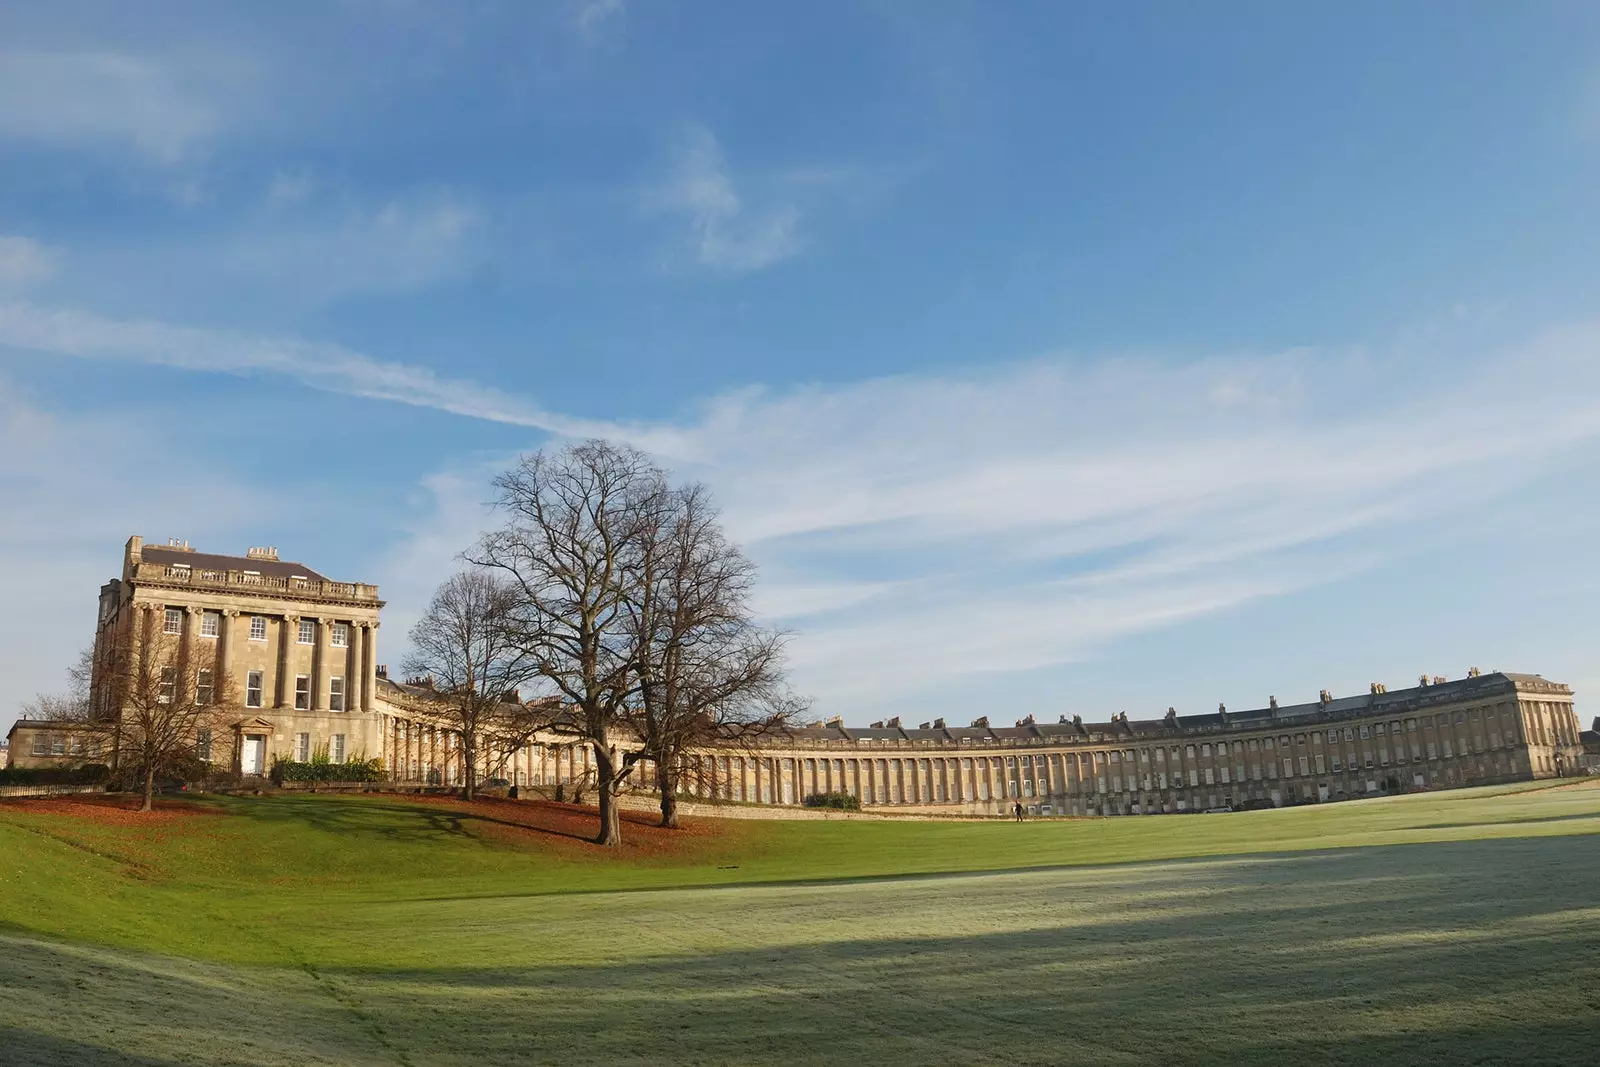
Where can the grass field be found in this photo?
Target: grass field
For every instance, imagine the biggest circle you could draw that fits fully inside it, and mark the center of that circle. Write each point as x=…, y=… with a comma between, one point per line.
x=1451, y=928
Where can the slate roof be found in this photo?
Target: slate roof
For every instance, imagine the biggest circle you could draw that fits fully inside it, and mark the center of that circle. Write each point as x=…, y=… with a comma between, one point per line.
x=208, y=561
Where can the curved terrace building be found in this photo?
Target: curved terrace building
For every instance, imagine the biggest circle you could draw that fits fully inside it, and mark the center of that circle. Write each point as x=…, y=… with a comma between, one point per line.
x=296, y=654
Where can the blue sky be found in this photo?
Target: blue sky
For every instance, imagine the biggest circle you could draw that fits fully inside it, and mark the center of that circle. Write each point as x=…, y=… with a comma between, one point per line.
x=1049, y=358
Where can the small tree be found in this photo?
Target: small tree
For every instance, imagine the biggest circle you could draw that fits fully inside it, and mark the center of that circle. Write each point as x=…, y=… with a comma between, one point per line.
x=466, y=643
x=162, y=696
x=708, y=675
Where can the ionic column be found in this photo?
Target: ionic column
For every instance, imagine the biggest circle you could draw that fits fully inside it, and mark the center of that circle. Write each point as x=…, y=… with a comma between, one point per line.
x=319, y=669
x=369, y=661
x=354, y=676
x=288, y=637
x=225, y=684
x=186, y=640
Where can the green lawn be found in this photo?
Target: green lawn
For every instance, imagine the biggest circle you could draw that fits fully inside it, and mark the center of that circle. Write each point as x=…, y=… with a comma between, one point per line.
x=1449, y=928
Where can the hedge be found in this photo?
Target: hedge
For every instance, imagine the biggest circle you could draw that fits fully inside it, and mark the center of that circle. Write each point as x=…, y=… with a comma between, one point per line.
x=287, y=770
x=840, y=801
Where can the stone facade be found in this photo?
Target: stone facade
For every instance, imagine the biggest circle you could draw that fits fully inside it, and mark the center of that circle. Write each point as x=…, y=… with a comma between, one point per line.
x=301, y=652
x=1480, y=730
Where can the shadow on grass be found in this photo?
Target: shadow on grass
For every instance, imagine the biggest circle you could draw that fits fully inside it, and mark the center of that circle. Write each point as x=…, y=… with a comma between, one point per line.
x=1440, y=953
x=408, y=821
x=23, y=1047
x=1450, y=953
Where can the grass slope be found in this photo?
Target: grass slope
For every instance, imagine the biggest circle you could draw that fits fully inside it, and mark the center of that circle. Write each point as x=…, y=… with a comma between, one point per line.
x=366, y=930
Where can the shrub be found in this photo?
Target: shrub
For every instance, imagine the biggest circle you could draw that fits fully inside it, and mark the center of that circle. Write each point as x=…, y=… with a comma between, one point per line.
x=356, y=770
x=839, y=801
x=87, y=774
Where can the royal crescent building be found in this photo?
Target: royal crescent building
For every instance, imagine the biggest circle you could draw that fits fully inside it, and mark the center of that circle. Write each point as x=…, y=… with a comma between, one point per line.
x=299, y=653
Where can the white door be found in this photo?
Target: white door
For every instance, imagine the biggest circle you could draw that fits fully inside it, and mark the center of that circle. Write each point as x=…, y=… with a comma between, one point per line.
x=253, y=756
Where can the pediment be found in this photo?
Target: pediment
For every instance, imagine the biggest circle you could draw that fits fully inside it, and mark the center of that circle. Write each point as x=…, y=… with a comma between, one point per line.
x=253, y=724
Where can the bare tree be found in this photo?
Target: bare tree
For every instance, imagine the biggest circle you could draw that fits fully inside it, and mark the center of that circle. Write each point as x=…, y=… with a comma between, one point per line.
x=467, y=644
x=570, y=548
x=708, y=675
x=162, y=698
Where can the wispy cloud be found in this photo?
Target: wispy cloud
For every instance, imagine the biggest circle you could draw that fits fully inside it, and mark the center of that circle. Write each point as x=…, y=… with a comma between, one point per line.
x=725, y=233
x=917, y=532
x=401, y=244
x=24, y=261
x=595, y=18
x=107, y=100
x=318, y=365
x=66, y=479
x=290, y=187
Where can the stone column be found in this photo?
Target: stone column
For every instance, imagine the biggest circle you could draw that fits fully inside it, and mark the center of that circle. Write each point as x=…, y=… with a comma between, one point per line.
x=354, y=676
x=226, y=685
x=288, y=637
x=186, y=639
x=319, y=668
x=369, y=664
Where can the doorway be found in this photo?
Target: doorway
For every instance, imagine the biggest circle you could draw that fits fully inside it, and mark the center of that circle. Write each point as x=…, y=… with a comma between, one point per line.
x=253, y=755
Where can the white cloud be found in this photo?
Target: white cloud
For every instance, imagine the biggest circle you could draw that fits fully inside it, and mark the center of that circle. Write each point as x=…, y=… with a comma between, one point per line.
x=106, y=99
x=318, y=365
x=66, y=480
x=403, y=244
x=290, y=187
x=725, y=233
x=24, y=261
x=919, y=531
x=594, y=18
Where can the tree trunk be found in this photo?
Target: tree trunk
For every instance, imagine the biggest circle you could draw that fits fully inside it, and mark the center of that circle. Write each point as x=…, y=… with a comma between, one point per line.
x=149, y=803
x=669, y=797
x=469, y=775
x=606, y=786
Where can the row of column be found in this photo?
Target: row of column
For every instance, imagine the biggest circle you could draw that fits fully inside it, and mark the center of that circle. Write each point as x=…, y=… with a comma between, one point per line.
x=422, y=752
x=360, y=654
x=361, y=664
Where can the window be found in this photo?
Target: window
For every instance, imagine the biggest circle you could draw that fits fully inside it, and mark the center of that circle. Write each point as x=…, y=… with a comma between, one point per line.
x=204, y=691
x=341, y=635
x=58, y=746
x=337, y=753
x=336, y=693
x=302, y=692
x=173, y=623
x=258, y=628
x=302, y=747
x=202, y=745
x=168, y=690
x=252, y=688
x=41, y=745
x=210, y=624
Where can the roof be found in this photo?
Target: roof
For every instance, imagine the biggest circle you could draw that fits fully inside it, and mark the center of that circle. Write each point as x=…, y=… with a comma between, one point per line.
x=48, y=724
x=209, y=561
